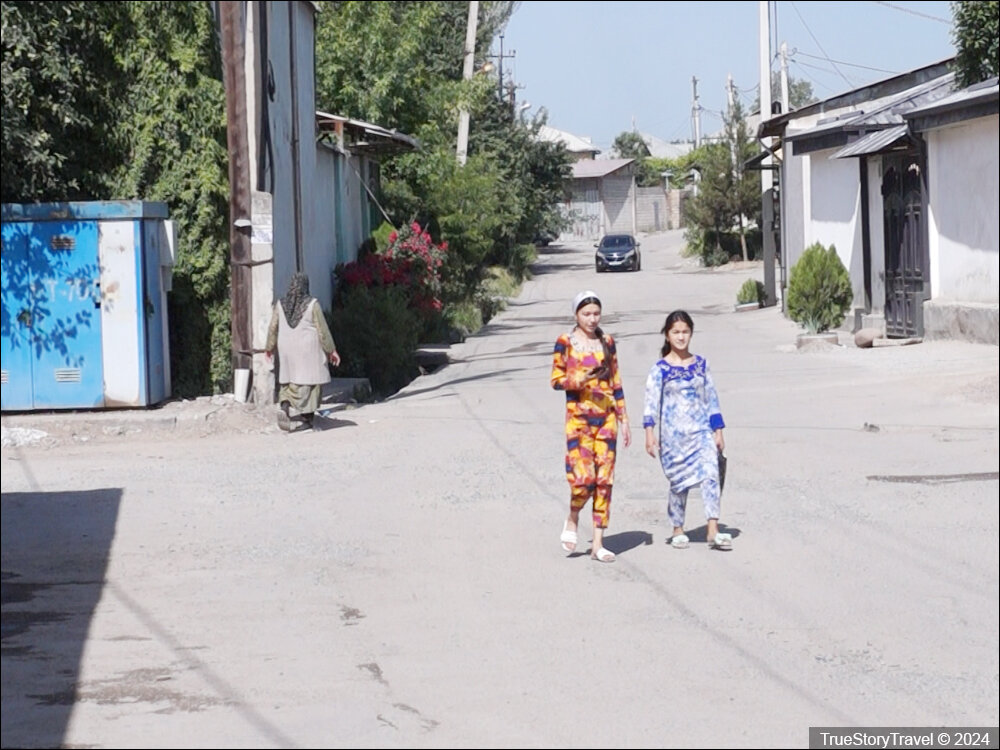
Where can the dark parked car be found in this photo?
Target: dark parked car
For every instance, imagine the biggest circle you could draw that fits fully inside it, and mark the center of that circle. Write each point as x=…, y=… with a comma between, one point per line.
x=617, y=252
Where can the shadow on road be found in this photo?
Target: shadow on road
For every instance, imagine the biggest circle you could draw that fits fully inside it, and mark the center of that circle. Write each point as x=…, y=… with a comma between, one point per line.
x=55, y=555
x=626, y=540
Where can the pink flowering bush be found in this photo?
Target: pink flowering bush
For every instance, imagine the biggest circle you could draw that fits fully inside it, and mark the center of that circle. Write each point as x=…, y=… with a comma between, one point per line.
x=411, y=260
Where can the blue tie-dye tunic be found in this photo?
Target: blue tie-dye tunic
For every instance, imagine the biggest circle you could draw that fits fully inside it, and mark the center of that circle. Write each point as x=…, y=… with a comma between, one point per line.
x=682, y=401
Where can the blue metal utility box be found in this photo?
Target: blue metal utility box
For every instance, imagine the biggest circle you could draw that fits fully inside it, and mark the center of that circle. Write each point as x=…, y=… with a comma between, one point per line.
x=85, y=304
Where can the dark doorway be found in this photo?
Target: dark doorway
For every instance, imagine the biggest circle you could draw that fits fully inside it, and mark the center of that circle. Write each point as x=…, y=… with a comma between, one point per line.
x=906, y=272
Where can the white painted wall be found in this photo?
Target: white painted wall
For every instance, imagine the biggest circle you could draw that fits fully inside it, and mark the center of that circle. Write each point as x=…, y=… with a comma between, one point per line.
x=876, y=234
x=962, y=181
x=795, y=192
x=121, y=314
x=834, y=212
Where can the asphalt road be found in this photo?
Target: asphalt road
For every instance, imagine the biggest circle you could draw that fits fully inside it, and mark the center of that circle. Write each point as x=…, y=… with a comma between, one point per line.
x=396, y=579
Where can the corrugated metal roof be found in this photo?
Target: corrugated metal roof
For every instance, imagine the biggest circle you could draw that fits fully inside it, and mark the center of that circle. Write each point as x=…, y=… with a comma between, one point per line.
x=597, y=167
x=983, y=91
x=368, y=128
x=573, y=143
x=873, y=143
x=661, y=149
x=886, y=112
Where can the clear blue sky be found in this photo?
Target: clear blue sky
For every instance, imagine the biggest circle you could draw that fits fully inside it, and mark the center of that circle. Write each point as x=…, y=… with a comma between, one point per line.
x=597, y=65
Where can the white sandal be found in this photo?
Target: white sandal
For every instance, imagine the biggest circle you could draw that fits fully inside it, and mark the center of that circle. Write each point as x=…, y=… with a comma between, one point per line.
x=721, y=541
x=680, y=541
x=603, y=555
x=568, y=538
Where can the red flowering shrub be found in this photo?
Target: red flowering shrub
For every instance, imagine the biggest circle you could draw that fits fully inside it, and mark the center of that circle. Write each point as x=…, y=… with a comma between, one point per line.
x=411, y=260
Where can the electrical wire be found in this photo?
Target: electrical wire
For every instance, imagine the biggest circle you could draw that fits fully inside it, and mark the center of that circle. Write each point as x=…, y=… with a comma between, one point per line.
x=827, y=57
x=917, y=13
x=841, y=62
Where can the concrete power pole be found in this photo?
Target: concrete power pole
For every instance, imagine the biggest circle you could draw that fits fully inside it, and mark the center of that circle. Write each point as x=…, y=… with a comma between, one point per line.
x=469, y=62
x=695, y=113
x=785, y=104
x=766, y=174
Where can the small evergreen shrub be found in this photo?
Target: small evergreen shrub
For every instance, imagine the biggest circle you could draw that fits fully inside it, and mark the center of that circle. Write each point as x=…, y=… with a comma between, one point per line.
x=751, y=291
x=819, y=289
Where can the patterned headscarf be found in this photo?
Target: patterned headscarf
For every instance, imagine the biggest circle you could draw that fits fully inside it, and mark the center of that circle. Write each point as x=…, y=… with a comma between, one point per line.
x=296, y=299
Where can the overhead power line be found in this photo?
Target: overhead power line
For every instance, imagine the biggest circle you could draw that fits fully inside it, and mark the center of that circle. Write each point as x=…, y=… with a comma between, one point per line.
x=929, y=17
x=841, y=62
x=825, y=56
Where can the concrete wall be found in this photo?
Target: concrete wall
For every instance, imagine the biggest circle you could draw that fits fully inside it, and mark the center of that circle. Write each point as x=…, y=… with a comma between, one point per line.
x=962, y=181
x=834, y=212
x=794, y=198
x=652, y=210
x=618, y=199
x=584, y=211
x=290, y=53
x=876, y=235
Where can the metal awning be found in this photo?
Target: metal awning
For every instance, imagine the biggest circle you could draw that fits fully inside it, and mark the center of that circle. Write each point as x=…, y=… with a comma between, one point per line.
x=756, y=163
x=874, y=143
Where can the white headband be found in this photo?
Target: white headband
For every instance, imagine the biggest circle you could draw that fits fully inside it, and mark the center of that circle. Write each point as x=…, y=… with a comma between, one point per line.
x=587, y=294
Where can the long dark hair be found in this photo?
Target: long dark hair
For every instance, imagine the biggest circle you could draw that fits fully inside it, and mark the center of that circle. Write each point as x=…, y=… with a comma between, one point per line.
x=676, y=315
x=605, y=370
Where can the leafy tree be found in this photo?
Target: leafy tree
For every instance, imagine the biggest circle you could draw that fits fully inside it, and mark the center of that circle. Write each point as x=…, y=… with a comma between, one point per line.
x=728, y=195
x=175, y=136
x=976, y=33
x=800, y=92
x=629, y=145
x=125, y=100
x=60, y=105
x=400, y=65
x=709, y=212
x=744, y=193
x=381, y=61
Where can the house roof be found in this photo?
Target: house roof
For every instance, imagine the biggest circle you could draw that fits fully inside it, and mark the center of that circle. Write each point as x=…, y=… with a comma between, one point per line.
x=874, y=143
x=573, y=143
x=365, y=137
x=598, y=167
x=661, y=149
x=979, y=100
x=882, y=114
x=866, y=95
x=886, y=112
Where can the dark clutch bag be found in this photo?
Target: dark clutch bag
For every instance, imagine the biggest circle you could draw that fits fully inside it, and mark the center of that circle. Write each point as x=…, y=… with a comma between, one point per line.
x=722, y=470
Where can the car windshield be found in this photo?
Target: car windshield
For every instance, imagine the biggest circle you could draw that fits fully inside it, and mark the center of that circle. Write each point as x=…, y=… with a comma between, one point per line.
x=616, y=240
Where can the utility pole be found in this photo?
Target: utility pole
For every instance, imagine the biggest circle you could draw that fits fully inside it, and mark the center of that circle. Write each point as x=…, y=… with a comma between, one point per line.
x=500, y=79
x=470, y=52
x=785, y=105
x=731, y=99
x=695, y=113
x=231, y=25
x=766, y=174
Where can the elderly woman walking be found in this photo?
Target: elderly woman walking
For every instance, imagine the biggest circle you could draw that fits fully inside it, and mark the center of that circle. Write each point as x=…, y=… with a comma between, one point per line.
x=299, y=332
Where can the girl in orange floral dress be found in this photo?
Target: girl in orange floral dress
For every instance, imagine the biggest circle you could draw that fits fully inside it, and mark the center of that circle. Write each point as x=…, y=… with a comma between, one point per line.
x=585, y=366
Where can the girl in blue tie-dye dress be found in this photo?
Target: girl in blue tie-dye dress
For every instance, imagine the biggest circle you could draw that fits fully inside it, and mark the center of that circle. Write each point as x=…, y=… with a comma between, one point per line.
x=681, y=399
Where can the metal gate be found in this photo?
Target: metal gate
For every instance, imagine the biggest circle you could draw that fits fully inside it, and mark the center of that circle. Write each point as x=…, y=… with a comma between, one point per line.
x=905, y=245
x=51, y=315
